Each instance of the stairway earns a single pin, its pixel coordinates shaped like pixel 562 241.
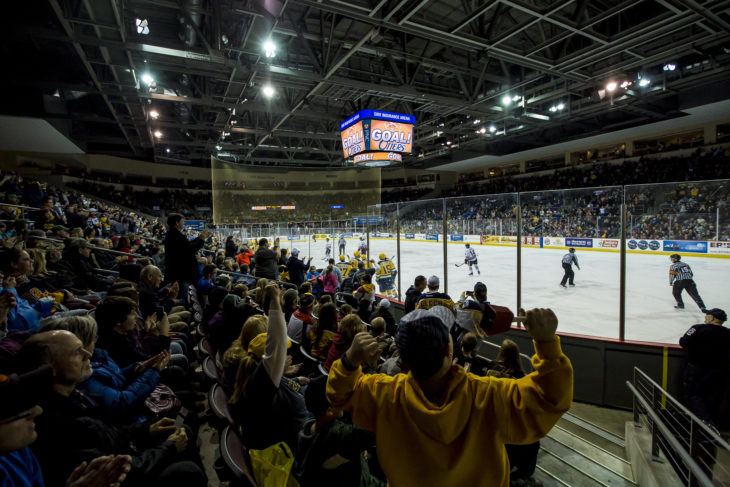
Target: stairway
pixel 577 452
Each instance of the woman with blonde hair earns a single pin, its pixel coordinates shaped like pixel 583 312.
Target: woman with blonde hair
pixel 267 405
pixel 508 362
pixel 253 326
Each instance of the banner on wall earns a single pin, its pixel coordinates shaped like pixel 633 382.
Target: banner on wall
pixel 553 242
pixel 685 246
pixel 508 239
pixel 719 248
pixel 531 240
pixel 607 243
pixel 195 224
pixel 410 236
pixel 579 242
pixel 488 239
pixel 456 238
pixel 432 236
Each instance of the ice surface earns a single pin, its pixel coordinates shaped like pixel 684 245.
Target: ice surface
pixel 589 308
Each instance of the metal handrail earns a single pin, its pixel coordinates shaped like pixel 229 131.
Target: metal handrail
pixel 19 206
pixel 676 445
pixel 94 247
pixel 686 411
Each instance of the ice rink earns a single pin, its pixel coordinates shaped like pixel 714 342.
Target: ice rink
pixel 589 308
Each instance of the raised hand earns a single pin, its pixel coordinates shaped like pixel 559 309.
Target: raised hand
pixel 364 348
pixel 541 324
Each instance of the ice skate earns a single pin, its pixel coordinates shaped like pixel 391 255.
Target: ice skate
pixel 676 306
pixel 566 287
pixel 571 285
pixel 471 273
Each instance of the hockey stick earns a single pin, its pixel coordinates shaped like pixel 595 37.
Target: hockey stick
pixel 458 265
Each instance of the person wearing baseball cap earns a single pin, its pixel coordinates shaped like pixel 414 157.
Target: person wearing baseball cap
pixel 433 297
pixel 708 347
pixel 297 267
pixel 438 425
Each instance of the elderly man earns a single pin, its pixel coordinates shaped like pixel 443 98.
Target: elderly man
pixel 457 421
pixel 153 299
pixel 73 428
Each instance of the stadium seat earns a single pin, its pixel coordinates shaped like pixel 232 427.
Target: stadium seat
pixel 218 401
pixel 235 456
pixel 322 370
pixel 206 348
pixel 210 370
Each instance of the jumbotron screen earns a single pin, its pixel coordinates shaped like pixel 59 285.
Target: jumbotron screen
pixel 377 132
pixel 254 194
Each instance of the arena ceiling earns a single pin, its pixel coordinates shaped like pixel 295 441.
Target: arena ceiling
pixel 81 64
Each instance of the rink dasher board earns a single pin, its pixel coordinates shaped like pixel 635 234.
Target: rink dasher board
pixel 556 247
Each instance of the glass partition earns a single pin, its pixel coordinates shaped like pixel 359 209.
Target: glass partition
pixel 688 219
pixel 488 224
pixel 383 245
pixel 422 253
pixel 587 220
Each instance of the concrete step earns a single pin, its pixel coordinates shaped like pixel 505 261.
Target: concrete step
pixel 592 452
pixel 594 435
pixel 570 460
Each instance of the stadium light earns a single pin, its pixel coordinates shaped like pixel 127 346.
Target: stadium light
pixel 158 134
pixel 270 48
pixel 167 150
pixel 492 128
pixel 218 147
pixel 483 130
pixel 557 108
pixel 476 122
pixel 625 84
pixel 142 26
pixel 268 91
pixel 644 82
pixel 147 79
pixel 611 86
pixel 506 100
pixel 669 67
pixel 154 114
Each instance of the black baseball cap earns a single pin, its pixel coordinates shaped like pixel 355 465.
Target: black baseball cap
pixel 19 393
pixel 717 313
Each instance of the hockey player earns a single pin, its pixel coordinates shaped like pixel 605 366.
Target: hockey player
pixel 680 278
pixel 362 246
pixel 341 244
pixel 327 249
pixel 568 260
pixel 385 276
pixel 470 258
pixel 344 266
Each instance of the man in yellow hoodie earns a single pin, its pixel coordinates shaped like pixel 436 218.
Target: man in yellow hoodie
pixel 439 425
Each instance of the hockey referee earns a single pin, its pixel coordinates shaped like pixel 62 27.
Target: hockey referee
pixel 680 278
pixel 568 260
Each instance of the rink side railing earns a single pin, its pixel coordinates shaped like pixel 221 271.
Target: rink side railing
pixel 689 445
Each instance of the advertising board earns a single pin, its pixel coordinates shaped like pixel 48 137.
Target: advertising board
pixel 685 246
pixel 719 248
pixel 530 240
pixel 432 236
pixel 377 156
pixel 456 238
pixel 410 236
pixel 606 243
pixel 579 242
pixel 388 136
pixel 195 224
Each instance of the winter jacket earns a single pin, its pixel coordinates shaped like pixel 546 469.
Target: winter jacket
pixel 339 346
pixel 296 268
pixel 121 391
pixel 330 282
pixel 23 317
pixel 412 296
pixel 181 263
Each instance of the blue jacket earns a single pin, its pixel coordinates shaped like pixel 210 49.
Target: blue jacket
pixel 20 468
pixel 121 391
pixel 23 317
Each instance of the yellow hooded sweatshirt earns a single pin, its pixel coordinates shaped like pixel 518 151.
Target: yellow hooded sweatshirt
pixel 460 442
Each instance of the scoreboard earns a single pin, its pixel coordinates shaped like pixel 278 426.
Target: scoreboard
pixel 375 135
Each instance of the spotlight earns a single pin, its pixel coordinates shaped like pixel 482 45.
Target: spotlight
pixel 516 98
pixel 268 91
pixel 611 86
pixel 483 130
pixel 644 82
pixel 625 84
pixel 476 122
pixel 270 48
pixel 142 26
pixel 167 150
pixel 154 114
pixel 492 128
pixel 669 67
pixel 158 134
pixel 506 100
pixel 448 142
pixel 147 79
pixel 218 147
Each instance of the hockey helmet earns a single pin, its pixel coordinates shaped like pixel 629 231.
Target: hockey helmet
pixel 676 257
pixel 571 250
pixel 342 258
pixel 356 253
pixel 381 256
pixel 467 246
pixel 362 238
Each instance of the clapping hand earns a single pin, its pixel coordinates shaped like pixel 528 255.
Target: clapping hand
pixel 541 324
pixel 107 471
pixel 165 425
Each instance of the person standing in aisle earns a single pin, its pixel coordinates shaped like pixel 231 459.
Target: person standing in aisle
pixel 680 278
pixel 327 249
pixel 470 259
pixel 341 244
pixel 568 260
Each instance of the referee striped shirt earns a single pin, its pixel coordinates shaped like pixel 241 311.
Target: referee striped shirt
pixel 679 271
pixel 570 259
